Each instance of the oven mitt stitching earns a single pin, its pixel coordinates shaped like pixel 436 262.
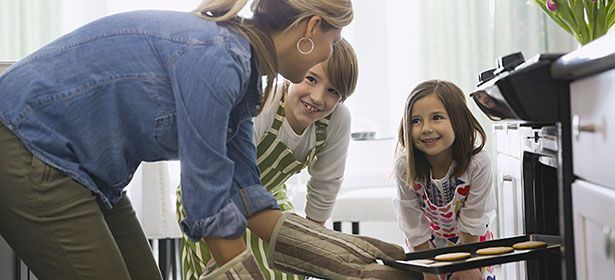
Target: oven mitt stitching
pixel 243 266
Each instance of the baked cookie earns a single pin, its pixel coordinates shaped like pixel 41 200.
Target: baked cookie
pixel 529 245
pixel 452 257
pixel 494 250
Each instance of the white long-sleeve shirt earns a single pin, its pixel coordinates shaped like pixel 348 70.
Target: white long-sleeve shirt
pixel 326 173
pixel 477 212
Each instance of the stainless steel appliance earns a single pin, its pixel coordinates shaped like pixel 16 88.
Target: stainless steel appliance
pixel 527 91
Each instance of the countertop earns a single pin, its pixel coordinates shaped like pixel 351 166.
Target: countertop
pixel 595 57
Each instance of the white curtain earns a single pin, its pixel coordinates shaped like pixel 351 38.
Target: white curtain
pixel 463 37
pixel 401 42
pixel 26 25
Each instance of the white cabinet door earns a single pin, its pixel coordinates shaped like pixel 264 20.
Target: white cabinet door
pixel 510 208
pixel 594 230
pixel 593 127
pixel 501 138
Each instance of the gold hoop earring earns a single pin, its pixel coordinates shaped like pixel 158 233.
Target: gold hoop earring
pixel 299 46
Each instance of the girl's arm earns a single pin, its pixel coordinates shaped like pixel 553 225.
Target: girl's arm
pixel 327 172
pixel 466 238
pixel 407 207
pixel 479 207
pixel 422 247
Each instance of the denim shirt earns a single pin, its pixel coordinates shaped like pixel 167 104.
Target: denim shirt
pixel 146 86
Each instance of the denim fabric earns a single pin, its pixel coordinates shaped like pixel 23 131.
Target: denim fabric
pixel 146 86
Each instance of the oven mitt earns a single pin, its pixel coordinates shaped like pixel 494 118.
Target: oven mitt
pixel 243 266
pixel 303 247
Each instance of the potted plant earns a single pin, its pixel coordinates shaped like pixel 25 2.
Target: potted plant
pixel 586 20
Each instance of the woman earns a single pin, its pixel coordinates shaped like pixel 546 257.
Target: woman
pixel 79 115
pixel 306 126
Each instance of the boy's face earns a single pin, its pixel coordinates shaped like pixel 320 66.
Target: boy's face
pixel 310 100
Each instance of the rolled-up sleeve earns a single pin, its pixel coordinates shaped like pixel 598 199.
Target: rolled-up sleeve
pixel 479 207
pixel 247 192
pixel 207 82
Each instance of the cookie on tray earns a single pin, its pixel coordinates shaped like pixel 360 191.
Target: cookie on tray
pixel 452 257
pixel 529 245
pixel 494 250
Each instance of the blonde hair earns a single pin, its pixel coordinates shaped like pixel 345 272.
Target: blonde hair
pixel 342 68
pixel 465 126
pixel 270 17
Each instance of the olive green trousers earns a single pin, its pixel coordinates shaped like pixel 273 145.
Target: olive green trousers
pixel 60 229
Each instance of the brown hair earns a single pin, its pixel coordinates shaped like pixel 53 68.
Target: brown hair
pixel 465 126
pixel 270 17
pixel 342 68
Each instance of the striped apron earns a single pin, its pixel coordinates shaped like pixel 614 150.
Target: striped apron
pixel 276 163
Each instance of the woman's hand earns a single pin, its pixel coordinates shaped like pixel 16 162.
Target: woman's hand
pixel 243 266
pixel 303 247
pixel 322 223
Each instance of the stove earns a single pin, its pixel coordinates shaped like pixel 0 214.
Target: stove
pixel 526 91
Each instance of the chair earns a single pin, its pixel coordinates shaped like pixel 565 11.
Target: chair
pixel 368 189
pixel 364 205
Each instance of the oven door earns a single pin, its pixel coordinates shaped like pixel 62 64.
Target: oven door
pixel 491 101
pixel 527 93
pixel 541 213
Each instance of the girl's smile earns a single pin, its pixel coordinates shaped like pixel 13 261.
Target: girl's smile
pixel 430 141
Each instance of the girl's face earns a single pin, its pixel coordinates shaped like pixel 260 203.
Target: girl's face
pixel 310 100
pixel 432 132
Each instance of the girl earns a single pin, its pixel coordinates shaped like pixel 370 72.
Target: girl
pixel 306 125
pixel 79 115
pixel 445 195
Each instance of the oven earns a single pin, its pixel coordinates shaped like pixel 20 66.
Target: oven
pixel 539 171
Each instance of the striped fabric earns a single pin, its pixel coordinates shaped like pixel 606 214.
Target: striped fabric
pixel 241 267
pixel 302 246
pixel 276 163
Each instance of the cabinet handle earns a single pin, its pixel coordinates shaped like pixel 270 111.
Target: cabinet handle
pixel 507 178
pixel 577 127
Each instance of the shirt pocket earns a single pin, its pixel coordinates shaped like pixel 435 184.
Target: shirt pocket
pixel 165 132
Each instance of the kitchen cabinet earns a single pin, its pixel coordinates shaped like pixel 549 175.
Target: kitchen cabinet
pixel 593 192
pixel 509 190
pixel 594 230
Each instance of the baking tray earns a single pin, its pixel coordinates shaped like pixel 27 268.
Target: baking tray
pixel 423 261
